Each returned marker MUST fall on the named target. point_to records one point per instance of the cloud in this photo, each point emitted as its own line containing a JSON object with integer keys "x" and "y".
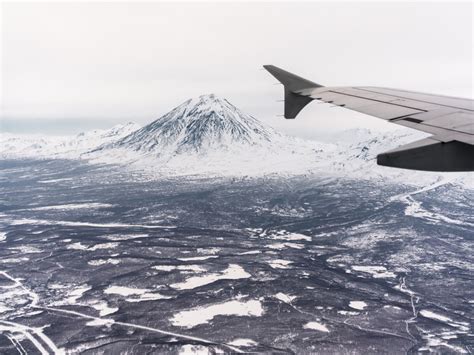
{"x": 113, "y": 62}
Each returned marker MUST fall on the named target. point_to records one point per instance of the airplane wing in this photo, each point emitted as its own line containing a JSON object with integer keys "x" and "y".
{"x": 449, "y": 120}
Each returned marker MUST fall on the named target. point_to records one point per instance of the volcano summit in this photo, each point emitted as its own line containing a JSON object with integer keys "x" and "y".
{"x": 196, "y": 126}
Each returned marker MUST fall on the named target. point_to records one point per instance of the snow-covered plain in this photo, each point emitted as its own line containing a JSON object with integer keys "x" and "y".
{"x": 219, "y": 262}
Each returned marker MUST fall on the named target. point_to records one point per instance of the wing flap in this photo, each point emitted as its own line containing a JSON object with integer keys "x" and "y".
{"x": 430, "y": 155}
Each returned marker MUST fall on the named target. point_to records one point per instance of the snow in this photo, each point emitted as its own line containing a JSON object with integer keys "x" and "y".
{"x": 438, "y": 317}
{"x": 164, "y": 267}
{"x": 116, "y": 237}
{"x": 284, "y": 297}
{"x": 14, "y": 260}
{"x": 284, "y": 235}
{"x": 104, "y": 246}
{"x": 189, "y": 349}
{"x": 36, "y": 146}
{"x": 348, "y": 313}
{"x": 198, "y": 258}
{"x": 316, "y": 326}
{"x": 251, "y": 252}
{"x": 99, "y": 322}
{"x": 83, "y": 224}
{"x": 279, "y": 264}
{"x": 125, "y": 291}
{"x": 77, "y": 246}
{"x": 432, "y": 341}
{"x": 243, "y": 342}
{"x": 375, "y": 271}
{"x": 142, "y": 294}
{"x": 359, "y": 305}
{"x": 72, "y": 206}
{"x": 281, "y": 246}
{"x": 193, "y": 268}
{"x": 99, "y": 262}
{"x": 429, "y": 314}
{"x": 233, "y": 272}
{"x": 77, "y": 293}
{"x": 201, "y": 315}
{"x": 104, "y": 309}
{"x": 27, "y": 249}
{"x": 51, "y": 181}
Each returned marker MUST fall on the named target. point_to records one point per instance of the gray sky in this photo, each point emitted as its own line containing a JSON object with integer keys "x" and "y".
{"x": 68, "y": 67}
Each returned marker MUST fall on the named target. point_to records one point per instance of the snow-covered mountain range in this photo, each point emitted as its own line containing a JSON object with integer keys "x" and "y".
{"x": 69, "y": 147}
{"x": 209, "y": 136}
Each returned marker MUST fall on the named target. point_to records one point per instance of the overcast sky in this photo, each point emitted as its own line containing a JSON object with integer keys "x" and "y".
{"x": 69, "y": 67}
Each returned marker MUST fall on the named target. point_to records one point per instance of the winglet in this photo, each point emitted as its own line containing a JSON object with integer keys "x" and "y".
{"x": 294, "y": 85}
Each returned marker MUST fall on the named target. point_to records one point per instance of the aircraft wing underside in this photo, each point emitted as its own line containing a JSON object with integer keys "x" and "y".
{"x": 449, "y": 120}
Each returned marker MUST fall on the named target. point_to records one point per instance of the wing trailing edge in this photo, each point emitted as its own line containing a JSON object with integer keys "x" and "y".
{"x": 430, "y": 155}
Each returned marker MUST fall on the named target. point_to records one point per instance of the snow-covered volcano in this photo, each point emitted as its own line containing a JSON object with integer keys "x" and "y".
{"x": 199, "y": 125}
{"x": 208, "y": 134}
